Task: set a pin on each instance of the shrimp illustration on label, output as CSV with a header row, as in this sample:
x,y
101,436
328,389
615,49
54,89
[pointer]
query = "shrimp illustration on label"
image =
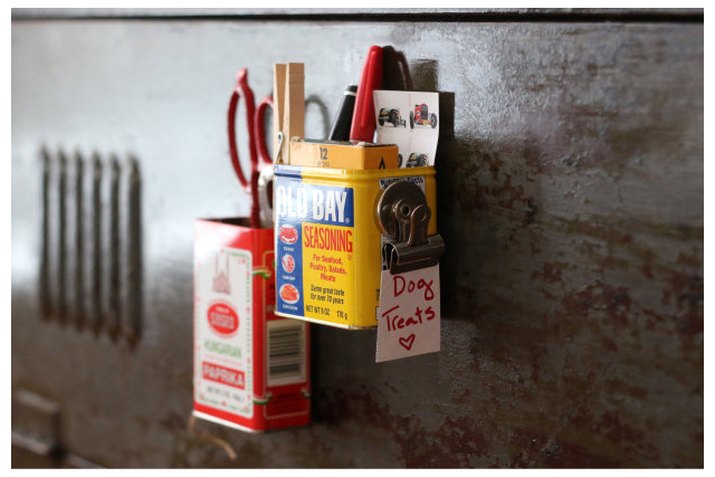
x,y
288,263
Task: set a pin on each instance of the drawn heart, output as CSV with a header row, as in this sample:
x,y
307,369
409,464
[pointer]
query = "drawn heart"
x,y
407,342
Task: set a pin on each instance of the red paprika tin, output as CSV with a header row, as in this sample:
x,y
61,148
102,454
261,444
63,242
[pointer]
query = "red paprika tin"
x,y
251,368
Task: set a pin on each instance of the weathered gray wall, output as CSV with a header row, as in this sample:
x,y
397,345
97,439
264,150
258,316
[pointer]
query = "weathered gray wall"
x,y
570,199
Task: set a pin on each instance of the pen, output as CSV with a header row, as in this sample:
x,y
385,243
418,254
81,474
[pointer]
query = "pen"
x,y
340,130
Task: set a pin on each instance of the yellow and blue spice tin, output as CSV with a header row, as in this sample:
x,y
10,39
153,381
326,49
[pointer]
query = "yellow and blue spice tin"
x,y
328,241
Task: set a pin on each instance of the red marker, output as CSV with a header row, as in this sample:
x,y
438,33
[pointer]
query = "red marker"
x,y
363,126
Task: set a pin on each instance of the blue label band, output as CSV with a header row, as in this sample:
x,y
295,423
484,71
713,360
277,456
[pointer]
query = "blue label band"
x,y
297,203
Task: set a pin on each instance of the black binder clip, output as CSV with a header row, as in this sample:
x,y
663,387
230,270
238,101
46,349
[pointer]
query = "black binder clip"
x,y
403,215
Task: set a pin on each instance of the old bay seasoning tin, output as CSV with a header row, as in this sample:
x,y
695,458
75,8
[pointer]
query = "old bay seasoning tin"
x,y
328,242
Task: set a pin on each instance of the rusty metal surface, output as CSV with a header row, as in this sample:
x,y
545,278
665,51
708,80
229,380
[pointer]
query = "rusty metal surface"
x,y
570,200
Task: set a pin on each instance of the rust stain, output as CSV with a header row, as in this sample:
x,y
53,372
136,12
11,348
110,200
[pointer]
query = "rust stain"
x,y
537,449
612,426
453,444
321,453
686,288
693,259
620,231
602,242
614,302
551,272
618,386
497,181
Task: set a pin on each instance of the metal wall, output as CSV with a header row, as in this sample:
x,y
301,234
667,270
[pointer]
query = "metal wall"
x,y
570,199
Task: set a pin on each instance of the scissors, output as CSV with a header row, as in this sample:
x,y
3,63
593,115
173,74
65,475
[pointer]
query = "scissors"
x,y
257,149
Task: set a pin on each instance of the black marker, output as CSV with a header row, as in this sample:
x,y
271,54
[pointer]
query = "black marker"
x,y
340,130
395,72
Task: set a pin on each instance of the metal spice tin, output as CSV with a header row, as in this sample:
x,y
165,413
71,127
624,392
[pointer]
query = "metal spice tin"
x,y
251,368
328,242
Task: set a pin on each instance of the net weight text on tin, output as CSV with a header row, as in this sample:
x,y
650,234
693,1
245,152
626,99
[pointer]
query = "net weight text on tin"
x,y
318,309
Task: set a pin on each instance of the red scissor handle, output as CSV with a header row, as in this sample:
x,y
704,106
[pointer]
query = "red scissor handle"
x,y
256,139
242,88
260,131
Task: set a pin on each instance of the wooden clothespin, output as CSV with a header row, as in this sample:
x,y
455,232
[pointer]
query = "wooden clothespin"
x,y
288,107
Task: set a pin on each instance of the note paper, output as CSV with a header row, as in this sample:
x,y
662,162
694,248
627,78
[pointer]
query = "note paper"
x,y
409,314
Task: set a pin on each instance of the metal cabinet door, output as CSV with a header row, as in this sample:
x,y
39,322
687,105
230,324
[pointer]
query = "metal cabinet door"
x,y
570,198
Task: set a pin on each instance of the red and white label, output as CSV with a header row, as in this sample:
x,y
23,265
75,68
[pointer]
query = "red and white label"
x,y
223,332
